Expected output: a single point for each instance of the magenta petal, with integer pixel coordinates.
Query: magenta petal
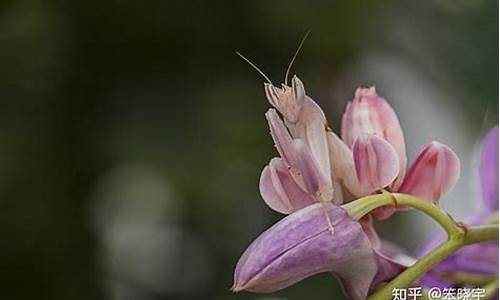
(375, 161)
(368, 113)
(433, 174)
(279, 189)
(302, 244)
(488, 170)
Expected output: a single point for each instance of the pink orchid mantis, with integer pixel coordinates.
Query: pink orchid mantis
(304, 163)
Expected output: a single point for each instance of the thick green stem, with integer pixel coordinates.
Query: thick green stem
(458, 236)
(482, 233)
(362, 206)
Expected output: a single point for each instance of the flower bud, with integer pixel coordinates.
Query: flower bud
(433, 174)
(368, 113)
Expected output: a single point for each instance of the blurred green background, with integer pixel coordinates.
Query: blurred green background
(132, 137)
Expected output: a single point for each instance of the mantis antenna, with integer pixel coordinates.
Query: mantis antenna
(295, 56)
(255, 67)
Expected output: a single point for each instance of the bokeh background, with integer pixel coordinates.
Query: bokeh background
(132, 137)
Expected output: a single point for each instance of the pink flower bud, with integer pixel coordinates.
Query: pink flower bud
(368, 113)
(433, 174)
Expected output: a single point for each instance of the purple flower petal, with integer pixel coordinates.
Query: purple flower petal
(387, 267)
(476, 259)
(488, 170)
(319, 238)
(479, 258)
(391, 260)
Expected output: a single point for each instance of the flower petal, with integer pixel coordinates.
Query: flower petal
(433, 174)
(488, 170)
(375, 161)
(368, 113)
(302, 244)
(388, 266)
(280, 191)
(474, 259)
(391, 260)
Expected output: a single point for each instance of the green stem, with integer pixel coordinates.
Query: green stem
(414, 272)
(473, 235)
(491, 289)
(458, 236)
(362, 206)
(482, 233)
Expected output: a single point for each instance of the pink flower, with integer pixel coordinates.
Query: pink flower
(371, 155)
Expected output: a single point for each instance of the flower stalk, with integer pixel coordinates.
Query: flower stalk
(458, 236)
